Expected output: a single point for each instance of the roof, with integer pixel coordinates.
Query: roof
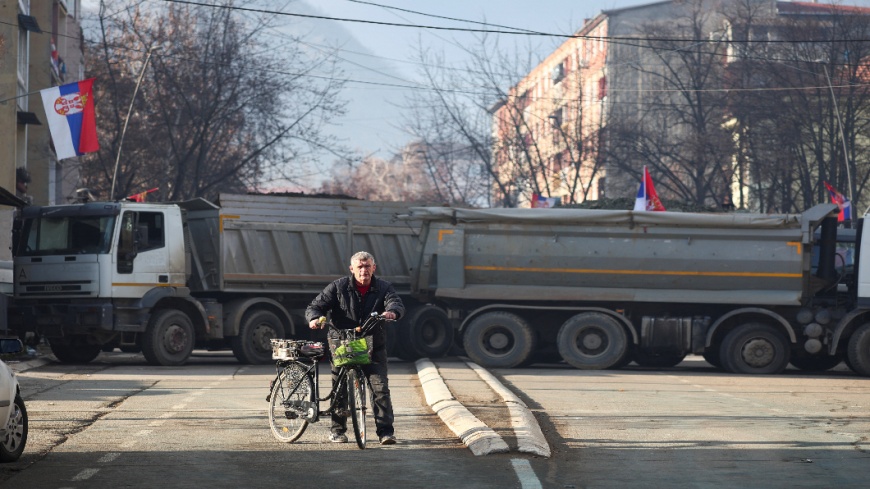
(808, 8)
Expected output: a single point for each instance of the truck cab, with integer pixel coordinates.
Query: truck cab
(80, 271)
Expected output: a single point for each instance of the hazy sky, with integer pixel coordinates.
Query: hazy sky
(378, 59)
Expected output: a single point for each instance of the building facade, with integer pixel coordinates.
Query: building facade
(42, 46)
(571, 127)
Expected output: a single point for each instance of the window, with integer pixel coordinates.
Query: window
(140, 232)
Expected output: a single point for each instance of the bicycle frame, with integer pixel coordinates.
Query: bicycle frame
(294, 392)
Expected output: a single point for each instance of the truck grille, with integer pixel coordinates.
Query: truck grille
(37, 289)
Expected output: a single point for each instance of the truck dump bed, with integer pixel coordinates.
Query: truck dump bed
(620, 256)
(265, 243)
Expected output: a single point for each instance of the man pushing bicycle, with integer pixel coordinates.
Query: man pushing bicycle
(349, 301)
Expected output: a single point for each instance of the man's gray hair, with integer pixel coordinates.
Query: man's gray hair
(362, 255)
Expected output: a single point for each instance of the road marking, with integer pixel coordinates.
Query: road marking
(85, 474)
(179, 407)
(527, 477)
(108, 457)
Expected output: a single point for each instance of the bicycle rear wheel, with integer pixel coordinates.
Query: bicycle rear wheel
(356, 397)
(288, 403)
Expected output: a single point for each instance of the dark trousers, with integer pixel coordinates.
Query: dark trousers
(376, 373)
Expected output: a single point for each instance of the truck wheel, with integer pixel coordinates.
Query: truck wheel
(645, 359)
(592, 341)
(711, 355)
(169, 338)
(499, 340)
(428, 331)
(858, 350)
(73, 349)
(755, 348)
(253, 345)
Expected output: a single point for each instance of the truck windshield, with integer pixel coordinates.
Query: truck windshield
(69, 235)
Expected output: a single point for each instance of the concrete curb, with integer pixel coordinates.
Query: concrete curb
(21, 366)
(477, 436)
(530, 438)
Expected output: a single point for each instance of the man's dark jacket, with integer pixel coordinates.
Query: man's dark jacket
(348, 310)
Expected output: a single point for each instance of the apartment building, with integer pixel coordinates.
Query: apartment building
(555, 132)
(42, 46)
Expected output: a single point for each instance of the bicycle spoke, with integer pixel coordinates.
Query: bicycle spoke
(290, 397)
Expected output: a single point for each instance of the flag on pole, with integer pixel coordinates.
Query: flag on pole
(541, 202)
(140, 197)
(647, 199)
(842, 202)
(71, 119)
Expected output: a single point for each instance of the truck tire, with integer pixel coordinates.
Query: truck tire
(75, 350)
(169, 338)
(755, 348)
(592, 341)
(253, 345)
(427, 331)
(858, 350)
(711, 355)
(499, 340)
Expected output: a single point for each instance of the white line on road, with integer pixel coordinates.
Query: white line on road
(527, 477)
(85, 474)
(108, 457)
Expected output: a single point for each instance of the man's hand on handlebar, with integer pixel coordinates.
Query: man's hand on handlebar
(389, 315)
(318, 323)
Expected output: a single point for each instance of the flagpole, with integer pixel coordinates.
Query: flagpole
(842, 136)
(127, 119)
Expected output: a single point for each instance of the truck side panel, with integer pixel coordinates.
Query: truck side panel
(296, 244)
(589, 256)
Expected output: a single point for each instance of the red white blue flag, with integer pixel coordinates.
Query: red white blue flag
(647, 199)
(541, 202)
(71, 118)
(842, 202)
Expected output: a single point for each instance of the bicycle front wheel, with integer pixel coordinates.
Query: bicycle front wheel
(356, 398)
(292, 396)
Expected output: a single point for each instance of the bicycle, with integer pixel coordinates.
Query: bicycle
(293, 393)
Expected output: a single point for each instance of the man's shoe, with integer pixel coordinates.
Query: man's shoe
(339, 438)
(388, 440)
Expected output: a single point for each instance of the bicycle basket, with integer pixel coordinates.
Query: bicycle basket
(284, 349)
(351, 352)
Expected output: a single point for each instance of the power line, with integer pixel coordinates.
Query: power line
(492, 31)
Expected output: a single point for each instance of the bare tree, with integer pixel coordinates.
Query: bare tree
(679, 129)
(809, 124)
(217, 109)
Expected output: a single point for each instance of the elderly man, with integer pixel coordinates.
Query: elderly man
(349, 301)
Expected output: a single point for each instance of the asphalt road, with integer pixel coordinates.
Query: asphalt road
(118, 422)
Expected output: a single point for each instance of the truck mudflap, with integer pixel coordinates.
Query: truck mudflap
(61, 319)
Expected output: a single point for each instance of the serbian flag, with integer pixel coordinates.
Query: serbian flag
(647, 199)
(541, 202)
(842, 202)
(70, 112)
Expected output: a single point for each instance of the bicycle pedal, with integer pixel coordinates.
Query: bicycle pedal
(290, 415)
(344, 413)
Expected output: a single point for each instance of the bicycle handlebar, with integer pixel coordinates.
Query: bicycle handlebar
(374, 320)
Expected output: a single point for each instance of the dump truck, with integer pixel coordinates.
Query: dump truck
(601, 288)
(165, 278)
